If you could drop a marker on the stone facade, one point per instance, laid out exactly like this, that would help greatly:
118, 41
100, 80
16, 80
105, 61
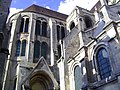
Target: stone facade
52, 51
4, 11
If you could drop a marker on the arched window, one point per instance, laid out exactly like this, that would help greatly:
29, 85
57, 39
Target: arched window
22, 25
59, 51
58, 32
62, 32
78, 78
103, 63
44, 29
23, 48
44, 50
36, 51
38, 27
26, 25
88, 22
18, 48
72, 25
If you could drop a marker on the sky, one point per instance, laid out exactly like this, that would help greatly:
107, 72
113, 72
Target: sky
62, 6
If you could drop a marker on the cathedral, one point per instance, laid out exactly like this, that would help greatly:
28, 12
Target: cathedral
49, 50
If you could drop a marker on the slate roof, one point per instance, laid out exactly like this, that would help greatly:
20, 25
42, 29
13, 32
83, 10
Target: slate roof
47, 12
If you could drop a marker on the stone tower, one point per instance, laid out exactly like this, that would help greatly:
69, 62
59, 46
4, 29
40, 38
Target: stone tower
32, 62
4, 11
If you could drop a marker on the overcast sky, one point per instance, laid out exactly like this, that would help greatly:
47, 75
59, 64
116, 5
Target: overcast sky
63, 6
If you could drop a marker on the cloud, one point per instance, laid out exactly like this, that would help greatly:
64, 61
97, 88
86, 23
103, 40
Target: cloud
13, 11
47, 7
68, 5
34, 2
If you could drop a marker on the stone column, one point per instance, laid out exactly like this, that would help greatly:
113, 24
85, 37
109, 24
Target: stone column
10, 47
51, 24
80, 28
31, 39
61, 74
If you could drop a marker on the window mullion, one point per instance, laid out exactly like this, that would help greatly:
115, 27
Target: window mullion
40, 51
60, 33
24, 25
41, 28
20, 48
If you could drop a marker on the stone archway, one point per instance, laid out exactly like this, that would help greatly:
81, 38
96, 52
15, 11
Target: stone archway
41, 81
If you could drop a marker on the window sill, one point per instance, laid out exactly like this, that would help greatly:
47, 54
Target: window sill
19, 33
24, 33
104, 82
19, 57
42, 36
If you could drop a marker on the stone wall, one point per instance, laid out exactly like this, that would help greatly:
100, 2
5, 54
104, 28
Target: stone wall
72, 43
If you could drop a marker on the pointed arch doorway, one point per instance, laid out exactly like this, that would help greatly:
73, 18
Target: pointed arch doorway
40, 80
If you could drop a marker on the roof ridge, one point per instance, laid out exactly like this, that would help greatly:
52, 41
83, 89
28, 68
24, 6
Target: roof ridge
45, 11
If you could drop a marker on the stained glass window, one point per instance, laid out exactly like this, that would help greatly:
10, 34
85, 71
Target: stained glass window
59, 51
23, 48
44, 29
44, 49
38, 27
22, 25
62, 32
58, 32
103, 63
36, 49
78, 78
26, 25
18, 48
